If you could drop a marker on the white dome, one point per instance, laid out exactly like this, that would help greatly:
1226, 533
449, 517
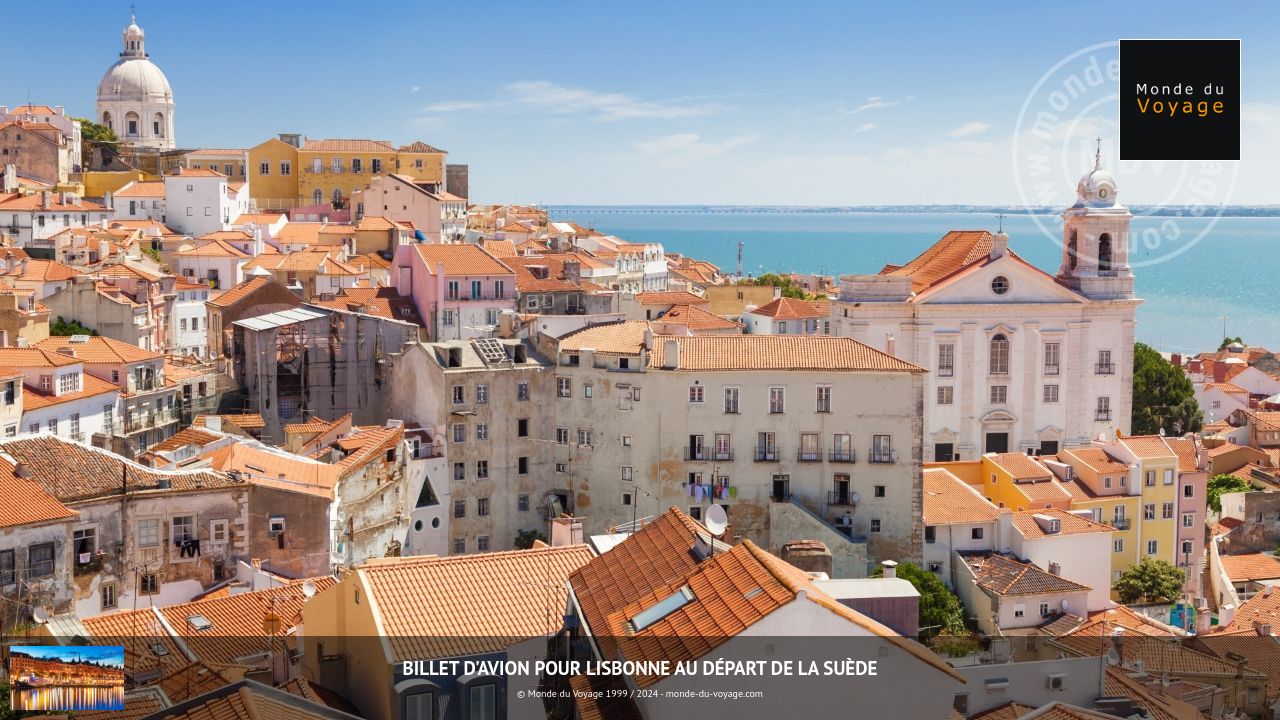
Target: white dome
1098, 187
135, 79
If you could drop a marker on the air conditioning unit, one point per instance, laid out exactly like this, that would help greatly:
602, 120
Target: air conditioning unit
276, 525
935, 567
1056, 682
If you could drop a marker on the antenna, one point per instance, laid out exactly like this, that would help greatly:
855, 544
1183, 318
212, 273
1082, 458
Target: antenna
40, 615
309, 588
717, 521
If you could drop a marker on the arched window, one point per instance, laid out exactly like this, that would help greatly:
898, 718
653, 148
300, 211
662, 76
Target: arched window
317, 197
337, 198
157, 125
1071, 251
1104, 253
131, 125
999, 360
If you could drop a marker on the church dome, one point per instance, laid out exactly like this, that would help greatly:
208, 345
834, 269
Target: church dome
135, 78
1098, 187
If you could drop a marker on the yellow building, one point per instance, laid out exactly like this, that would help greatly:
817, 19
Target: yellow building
421, 162
273, 174
228, 161
1100, 483
331, 170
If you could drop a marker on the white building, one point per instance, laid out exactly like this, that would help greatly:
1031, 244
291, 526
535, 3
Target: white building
198, 202
187, 321
140, 200
1066, 544
134, 97
789, 316
1018, 359
59, 397
956, 518
42, 215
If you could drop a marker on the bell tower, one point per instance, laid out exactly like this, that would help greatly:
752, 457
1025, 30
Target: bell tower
1095, 238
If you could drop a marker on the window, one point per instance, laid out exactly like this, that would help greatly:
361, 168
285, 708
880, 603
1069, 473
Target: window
482, 431
564, 387
1000, 285
930, 534
83, 544
219, 532
459, 471
459, 546
1051, 393
777, 400
878, 491
824, 399
482, 471
731, 400
459, 432
522, 427
149, 584
482, 506
586, 389
107, 594
75, 424
1117, 545
459, 508
946, 360
1188, 491
8, 571
1106, 482
184, 528
482, 393
626, 473
148, 532
1166, 511
999, 394
998, 360
40, 560
584, 437
53, 426
809, 451
1149, 511
626, 441
1052, 358
1168, 476
285, 168
522, 466
975, 533
626, 498
1044, 609
1104, 409
945, 394
695, 393
482, 543
881, 451
562, 468
1186, 547
522, 503
1150, 478
419, 706
1153, 547
1019, 610
562, 436
446, 318
875, 525
357, 165
376, 165
264, 168
1188, 520
482, 699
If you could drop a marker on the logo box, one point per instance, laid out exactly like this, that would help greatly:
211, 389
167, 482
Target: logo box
1180, 99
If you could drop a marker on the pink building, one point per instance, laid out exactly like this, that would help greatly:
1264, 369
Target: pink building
459, 290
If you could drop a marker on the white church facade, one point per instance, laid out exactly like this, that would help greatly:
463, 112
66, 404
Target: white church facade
134, 97
1018, 360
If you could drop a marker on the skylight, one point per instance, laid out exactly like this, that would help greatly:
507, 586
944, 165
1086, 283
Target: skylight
199, 622
663, 608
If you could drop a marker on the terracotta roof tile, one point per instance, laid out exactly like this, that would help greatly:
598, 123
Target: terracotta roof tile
1254, 566
785, 308
235, 294
1008, 577
44, 271
420, 147
142, 188
1020, 466
948, 500
1008, 711
464, 259
274, 468
670, 297
27, 502
187, 437
696, 318
1097, 459
214, 248
614, 338
1069, 524
347, 145
433, 607
98, 349
776, 352
956, 250
90, 386
1148, 447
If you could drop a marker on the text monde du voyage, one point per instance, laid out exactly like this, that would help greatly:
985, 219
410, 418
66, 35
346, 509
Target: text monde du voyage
1180, 99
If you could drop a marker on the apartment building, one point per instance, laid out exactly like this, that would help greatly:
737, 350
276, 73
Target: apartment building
828, 425
487, 404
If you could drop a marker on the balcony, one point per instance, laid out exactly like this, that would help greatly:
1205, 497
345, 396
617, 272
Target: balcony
1105, 369
842, 456
880, 456
88, 568
1102, 416
722, 454
432, 450
842, 498
475, 298
1119, 523
810, 455
766, 454
695, 453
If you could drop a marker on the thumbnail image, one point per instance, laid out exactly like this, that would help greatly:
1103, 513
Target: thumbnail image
66, 678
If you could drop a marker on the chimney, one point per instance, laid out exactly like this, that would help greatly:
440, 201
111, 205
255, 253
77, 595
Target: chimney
1055, 569
671, 354
10, 178
890, 345
1219, 372
22, 470
104, 248
1175, 359
1263, 629
811, 556
999, 245
45, 198
890, 568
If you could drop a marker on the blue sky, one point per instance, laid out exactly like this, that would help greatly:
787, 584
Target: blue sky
104, 654
662, 102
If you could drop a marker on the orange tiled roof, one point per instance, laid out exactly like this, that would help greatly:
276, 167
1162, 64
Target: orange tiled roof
670, 297
948, 500
1260, 653
433, 607
785, 308
1253, 566
27, 502
464, 259
98, 349
90, 386
1008, 577
776, 352
190, 436
276, 468
267, 218
380, 302
214, 248
142, 188
1069, 524
35, 201
341, 145
697, 318
420, 147
72, 472
196, 172
614, 338
1020, 466
1008, 711
955, 251
33, 357
1097, 459
235, 294
244, 421
44, 271
1148, 447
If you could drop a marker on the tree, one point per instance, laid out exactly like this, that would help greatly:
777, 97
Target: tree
1162, 396
1152, 580
93, 136
940, 610
526, 538
789, 287
1219, 485
1229, 340
65, 328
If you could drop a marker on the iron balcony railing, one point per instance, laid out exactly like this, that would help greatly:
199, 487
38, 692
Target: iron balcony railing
1105, 368
695, 453
840, 497
766, 454
811, 455
842, 456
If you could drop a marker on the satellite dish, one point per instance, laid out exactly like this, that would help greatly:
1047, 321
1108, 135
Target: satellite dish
40, 615
717, 520
309, 588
